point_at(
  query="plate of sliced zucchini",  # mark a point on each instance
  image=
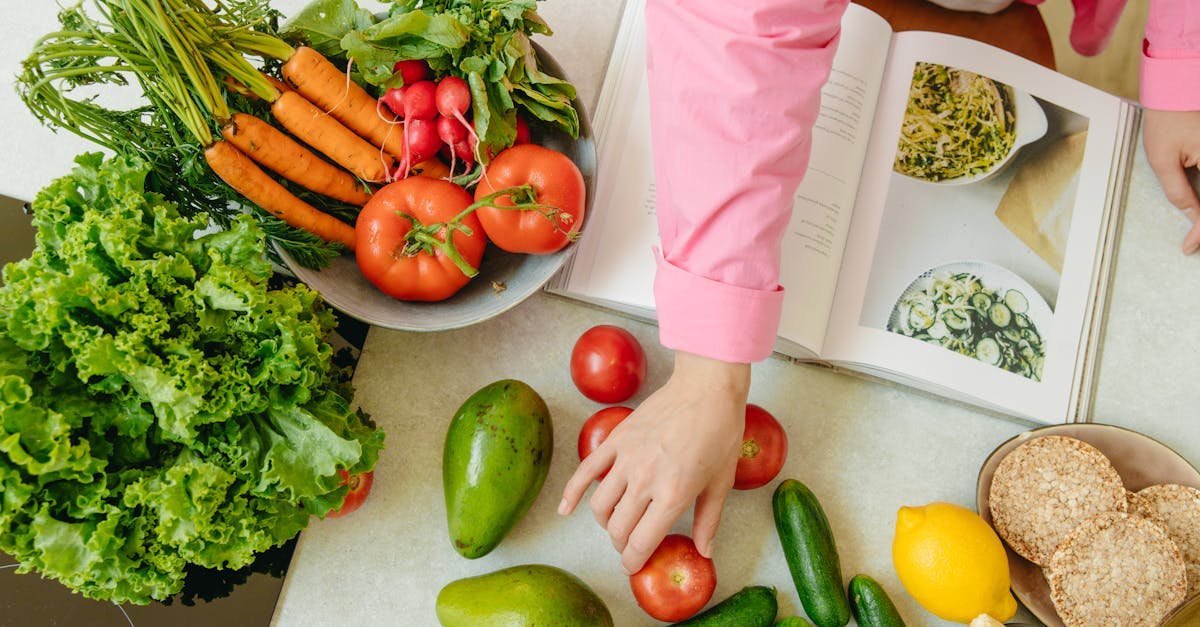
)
(980, 310)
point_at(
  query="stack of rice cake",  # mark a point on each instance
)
(1111, 557)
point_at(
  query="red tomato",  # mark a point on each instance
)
(556, 184)
(597, 428)
(607, 364)
(676, 582)
(360, 487)
(764, 449)
(381, 236)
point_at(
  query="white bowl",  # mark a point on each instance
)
(504, 280)
(1030, 125)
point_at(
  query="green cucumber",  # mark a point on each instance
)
(811, 554)
(752, 606)
(793, 621)
(871, 605)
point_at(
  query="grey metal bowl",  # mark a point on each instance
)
(504, 280)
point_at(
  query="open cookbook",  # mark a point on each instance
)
(954, 231)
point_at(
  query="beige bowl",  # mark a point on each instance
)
(1140, 460)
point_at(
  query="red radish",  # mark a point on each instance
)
(419, 101)
(412, 70)
(450, 130)
(464, 150)
(393, 99)
(453, 101)
(422, 139)
(522, 132)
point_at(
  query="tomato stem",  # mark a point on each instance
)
(423, 238)
(524, 198)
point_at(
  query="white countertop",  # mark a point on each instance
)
(864, 447)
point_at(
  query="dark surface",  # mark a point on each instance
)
(209, 597)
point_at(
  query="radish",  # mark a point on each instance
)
(393, 99)
(450, 130)
(422, 141)
(419, 101)
(412, 70)
(464, 150)
(454, 100)
(522, 132)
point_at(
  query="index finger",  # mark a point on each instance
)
(589, 470)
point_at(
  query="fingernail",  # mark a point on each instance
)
(1191, 248)
(562, 507)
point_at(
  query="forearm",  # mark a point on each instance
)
(734, 92)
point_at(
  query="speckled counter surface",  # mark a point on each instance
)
(865, 448)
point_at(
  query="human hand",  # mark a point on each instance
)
(1172, 141)
(680, 446)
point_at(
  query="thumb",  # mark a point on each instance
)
(707, 517)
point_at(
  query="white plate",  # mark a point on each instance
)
(504, 280)
(1140, 461)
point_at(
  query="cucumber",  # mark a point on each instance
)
(1016, 301)
(871, 605)
(811, 554)
(793, 621)
(987, 350)
(752, 606)
(1000, 315)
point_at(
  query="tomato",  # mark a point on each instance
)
(597, 428)
(553, 181)
(764, 449)
(676, 582)
(360, 487)
(607, 364)
(427, 270)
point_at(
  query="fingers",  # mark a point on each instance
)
(606, 497)
(625, 517)
(1175, 184)
(1191, 242)
(589, 470)
(649, 533)
(708, 517)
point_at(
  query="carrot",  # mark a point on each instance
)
(311, 126)
(240, 173)
(433, 168)
(281, 154)
(323, 84)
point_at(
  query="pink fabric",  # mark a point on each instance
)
(734, 91)
(1171, 56)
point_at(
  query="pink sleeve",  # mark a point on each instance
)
(734, 91)
(1171, 56)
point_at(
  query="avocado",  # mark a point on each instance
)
(533, 595)
(495, 461)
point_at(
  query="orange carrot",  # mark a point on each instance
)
(323, 84)
(433, 168)
(311, 126)
(281, 154)
(250, 181)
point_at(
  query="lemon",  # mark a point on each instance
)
(952, 563)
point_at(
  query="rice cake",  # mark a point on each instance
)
(1045, 488)
(1116, 569)
(1176, 509)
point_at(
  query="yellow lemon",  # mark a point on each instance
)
(952, 563)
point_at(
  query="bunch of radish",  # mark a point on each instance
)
(434, 114)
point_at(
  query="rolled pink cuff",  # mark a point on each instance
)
(1170, 80)
(714, 319)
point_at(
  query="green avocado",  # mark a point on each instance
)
(533, 595)
(494, 463)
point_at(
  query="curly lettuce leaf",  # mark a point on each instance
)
(160, 405)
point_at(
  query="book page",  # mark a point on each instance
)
(614, 263)
(978, 226)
